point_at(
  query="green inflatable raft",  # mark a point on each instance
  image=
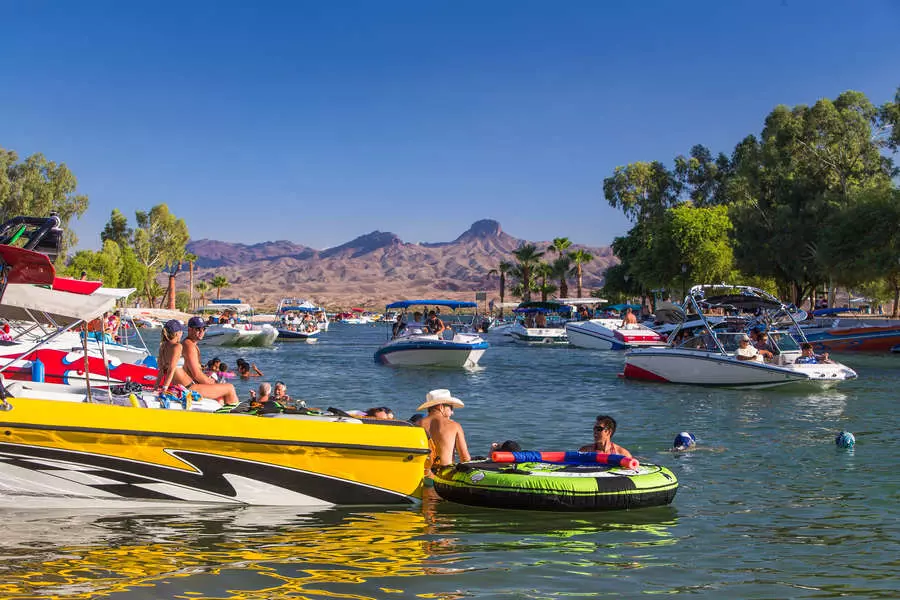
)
(549, 486)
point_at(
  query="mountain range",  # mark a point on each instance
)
(373, 269)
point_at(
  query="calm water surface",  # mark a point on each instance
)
(767, 507)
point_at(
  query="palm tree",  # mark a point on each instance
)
(528, 257)
(560, 269)
(219, 282)
(543, 271)
(559, 245)
(502, 270)
(580, 257)
(202, 287)
(154, 291)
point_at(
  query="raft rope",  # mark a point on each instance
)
(567, 458)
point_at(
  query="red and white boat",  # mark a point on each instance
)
(611, 334)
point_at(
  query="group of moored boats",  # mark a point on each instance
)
(83, 423)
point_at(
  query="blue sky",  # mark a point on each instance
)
(317, 122)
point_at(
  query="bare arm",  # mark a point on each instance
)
(174, 354)
(192, 364)
(461, 448)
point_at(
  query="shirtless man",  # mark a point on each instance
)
(193, 368)
(446, 435)
(629, 320)
(604, 429)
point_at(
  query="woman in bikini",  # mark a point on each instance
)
(169, 355)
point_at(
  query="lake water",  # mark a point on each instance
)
(767, 506)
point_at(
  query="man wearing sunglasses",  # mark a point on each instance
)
(604, 428)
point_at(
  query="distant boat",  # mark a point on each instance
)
(238, 331)
(415, 346)
(833, 333)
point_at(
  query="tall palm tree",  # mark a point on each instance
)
(502, 270)
(218, 282)
(580, 257)
(559, 245)
(202, 287)
(560, 269)
(528, 257)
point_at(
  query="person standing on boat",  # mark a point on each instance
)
(193, 367)
(629, 320)
(434, 324)
(446, 435)
(399, 326)
(604, 429)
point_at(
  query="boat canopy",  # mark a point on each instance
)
(299, 308)
(454, 304)
(669, 313)
(22, 301)
(220, 306)
(743, 302)
(526, 307)
(621, 307)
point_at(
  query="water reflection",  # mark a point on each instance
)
(258, 552)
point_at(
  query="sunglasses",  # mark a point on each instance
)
(600, 428)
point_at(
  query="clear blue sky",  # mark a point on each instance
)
(321, 121)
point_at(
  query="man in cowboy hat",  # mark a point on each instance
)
(446, 434)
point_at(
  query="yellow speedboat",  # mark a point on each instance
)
(74, 451)
(59, 446)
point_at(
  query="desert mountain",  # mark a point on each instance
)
(373, 269)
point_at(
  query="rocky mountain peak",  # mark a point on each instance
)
(485, 228)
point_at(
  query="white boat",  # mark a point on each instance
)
(540, 323)
(238, 331)
(708, 355)
(611, 334)
(415, 346)
(289, 306)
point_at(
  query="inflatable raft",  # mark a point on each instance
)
(557, 481)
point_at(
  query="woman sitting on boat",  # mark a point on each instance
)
(170, 352)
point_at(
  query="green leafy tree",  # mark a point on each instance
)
(117, 229)
(37, 187)
(641, 190)
(183, 301)
(159, 243)
(694, 243)
(862, 242)
(219, 283)
(543, 271)
(132, 274)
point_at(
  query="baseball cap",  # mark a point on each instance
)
(173, 326)
(197, 323)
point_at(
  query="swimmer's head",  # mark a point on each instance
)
(684, 440)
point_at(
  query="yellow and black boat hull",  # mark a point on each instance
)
(95, 452)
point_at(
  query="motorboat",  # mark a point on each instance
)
(359, 316)
(60, 446)
(830, 330)
(414, 345)
(540, 323)
(289, 306)
(707, 354)
(298, 320)
(236, 330)
(611, 334)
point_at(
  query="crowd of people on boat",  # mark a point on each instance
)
(306, 323)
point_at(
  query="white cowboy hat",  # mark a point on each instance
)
(435, 397)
